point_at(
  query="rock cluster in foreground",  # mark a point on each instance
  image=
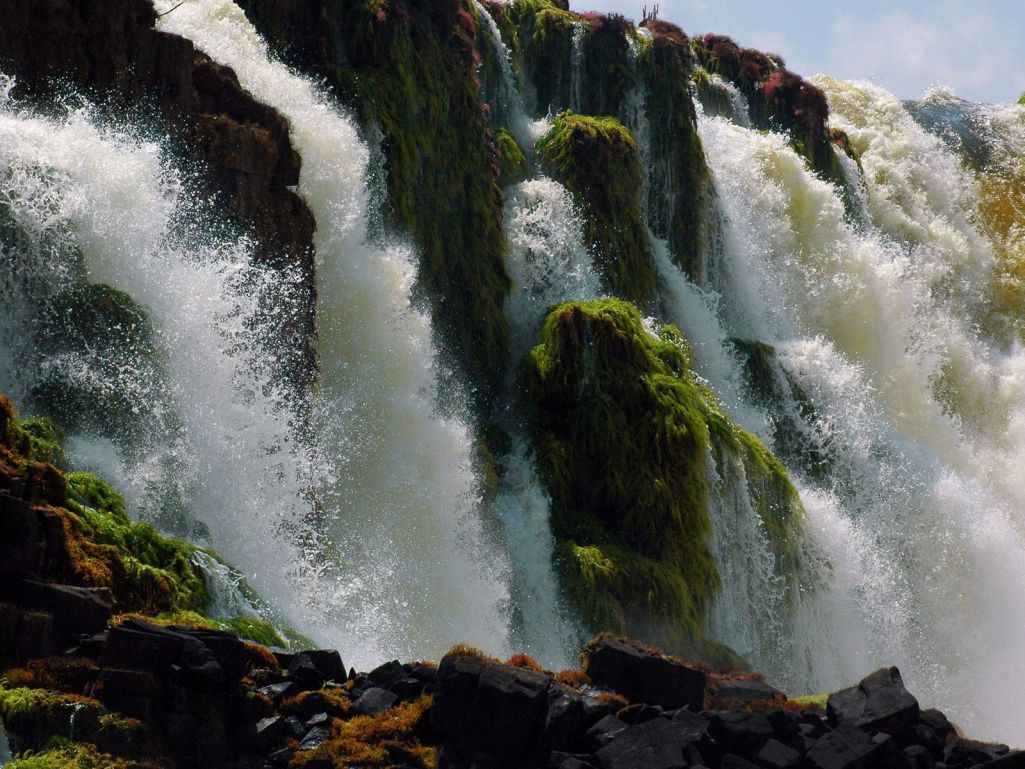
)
(150, 695)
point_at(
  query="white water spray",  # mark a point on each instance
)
(399, 495)
(919, 530)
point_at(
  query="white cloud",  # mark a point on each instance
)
(951, 44)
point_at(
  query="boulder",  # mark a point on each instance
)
(846, 747)
(489, 708)
(731, 692)
(374, 701)
(606, 730)
(643, 676)
(775, 755)
(880, 703)
(741, 731)
(654, 744)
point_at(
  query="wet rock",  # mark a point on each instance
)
(606, 730)
(846, 747)
(314, 738)
(880, 703)
(733, 692)
(489, 708)
(328, 663)
(775, 755)
(653, 744)
(733, 761)
(304, 672)
(565, 722)
(642, 676)
(741, 731)
(1013, 760)
(75, 610)
(374, 701)
(961, 752)
(918, 757)
(271, 730)
(281, 757)
(638, 713)
(278, 692)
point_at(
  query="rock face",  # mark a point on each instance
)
(111, 52)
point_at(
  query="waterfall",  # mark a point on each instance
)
(917, 524)
(410, 569)
(112, 201)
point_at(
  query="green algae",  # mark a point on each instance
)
(623, 431)
(597, 159)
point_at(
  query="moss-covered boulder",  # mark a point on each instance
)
(544, 50)
(596, 158)
(623, 432)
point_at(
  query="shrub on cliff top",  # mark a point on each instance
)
(597, 159)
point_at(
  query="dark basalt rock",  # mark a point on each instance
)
(605, 731)
(111, 51)
(846, 747)
(654, 744)
(775, 755)
(642, 676)
(879, 703)
(487, 707)
(730, 691)
(741, 730)
(373, 701)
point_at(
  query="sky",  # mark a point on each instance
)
(975, 48)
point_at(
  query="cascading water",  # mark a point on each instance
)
(408, 563)
(916, 521)
(79, 193)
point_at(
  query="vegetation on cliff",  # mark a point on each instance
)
(407, 68)
(623, 431)
(597, 160)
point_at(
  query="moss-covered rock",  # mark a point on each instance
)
(73, 755)
(597, 159)
(544, 35)
(514, 162)
(623, 432)
(777, 98)
(621, 437)
(679, 181)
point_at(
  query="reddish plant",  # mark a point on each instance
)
(667, 30)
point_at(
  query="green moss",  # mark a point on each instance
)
(597, 159)
(607, 67)
(257, 630)
(630, 512)
(146, 570)
(816, 701)
(68, 756)
(713, 95)
(1021, 99)
(514, 162)
(39, 439)
(36, 715)
(623, 431)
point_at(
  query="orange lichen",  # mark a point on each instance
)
(575, 678)
(465, 650)
(522, 660)
(383, 740)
